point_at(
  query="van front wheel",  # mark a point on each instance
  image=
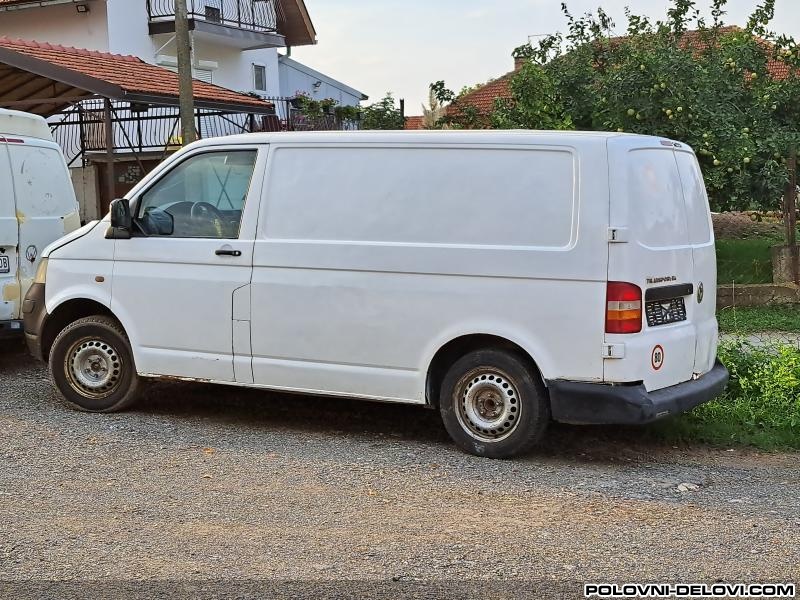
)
(91, 364)
(493, 404)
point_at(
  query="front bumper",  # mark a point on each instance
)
(10, 329)
(34, 313)
(597, 404)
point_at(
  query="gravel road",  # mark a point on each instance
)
(203, 484)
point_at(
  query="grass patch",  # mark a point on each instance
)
(745, 261)
(761, 407)
(782, 317)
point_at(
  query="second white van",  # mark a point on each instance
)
(507, 279)
(37, 206)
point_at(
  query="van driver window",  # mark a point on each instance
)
(203, 197)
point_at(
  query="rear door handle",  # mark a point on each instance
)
(228, 252)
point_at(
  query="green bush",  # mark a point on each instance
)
(382, 115)
(761, 406)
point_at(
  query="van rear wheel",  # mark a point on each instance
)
(494, 405)
(91, 364)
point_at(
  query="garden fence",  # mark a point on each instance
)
(759, 304)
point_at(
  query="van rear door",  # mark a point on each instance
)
(662, 233)
(9, 236)
(704, 254)
(46, 207)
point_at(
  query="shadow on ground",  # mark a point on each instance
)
(258, 409)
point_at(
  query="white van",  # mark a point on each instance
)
(506, 278)
(37, 206)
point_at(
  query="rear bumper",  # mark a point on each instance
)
(596, 404)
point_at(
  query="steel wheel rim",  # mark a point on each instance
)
(94, 368)
(488, 404)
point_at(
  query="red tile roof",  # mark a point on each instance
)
(128, 73)
(483, 98)
(415, 123)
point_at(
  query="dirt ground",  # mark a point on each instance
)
(215, 492)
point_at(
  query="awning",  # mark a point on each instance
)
(43, 78)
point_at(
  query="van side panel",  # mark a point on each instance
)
(370, 258)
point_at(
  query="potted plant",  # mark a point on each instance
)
(347, 113)
(299, 101)
(327, 105)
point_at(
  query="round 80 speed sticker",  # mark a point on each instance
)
(657, 359)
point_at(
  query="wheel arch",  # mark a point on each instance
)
(68, 312)
(450, 352)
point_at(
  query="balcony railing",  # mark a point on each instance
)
(80, 129)
(261, 16)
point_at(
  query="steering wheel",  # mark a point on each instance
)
(205, 211)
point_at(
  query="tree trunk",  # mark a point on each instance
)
(791, 216)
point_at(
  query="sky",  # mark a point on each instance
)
(401, 46)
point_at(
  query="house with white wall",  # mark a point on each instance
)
(235, 42)
(98, 70)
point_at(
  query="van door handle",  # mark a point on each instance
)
(228, 252)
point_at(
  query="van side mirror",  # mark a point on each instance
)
(121, 221)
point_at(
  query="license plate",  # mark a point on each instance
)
(664, 312)
(5, 265)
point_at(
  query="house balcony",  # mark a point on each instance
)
(243, 24)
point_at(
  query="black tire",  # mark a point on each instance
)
(108, 382)
(494, 404)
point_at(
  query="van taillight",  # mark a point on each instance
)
(624, 308)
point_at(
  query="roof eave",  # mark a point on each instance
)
(289, 61)
(26, 4)
(302, 33)
(237, 107)
(48, 70)
(105, 89)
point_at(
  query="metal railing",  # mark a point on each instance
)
(80, 129)
(254, 15)
(289, 117)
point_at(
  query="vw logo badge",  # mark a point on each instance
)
(700, 293)
(31, 253)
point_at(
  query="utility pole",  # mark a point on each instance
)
(184, 42)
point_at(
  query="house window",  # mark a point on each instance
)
(213, 11)
(206, 75)
(260, 78)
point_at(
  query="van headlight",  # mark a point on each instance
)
(41, 272)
